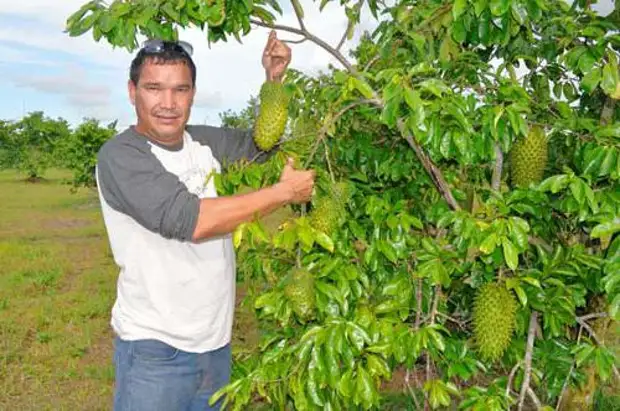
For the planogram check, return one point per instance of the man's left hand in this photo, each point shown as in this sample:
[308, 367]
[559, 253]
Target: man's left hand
[276, 58]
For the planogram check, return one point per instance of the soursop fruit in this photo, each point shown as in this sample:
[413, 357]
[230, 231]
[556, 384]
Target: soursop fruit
[528, 158]
[329, 210]
[299, 289]
[273, 114]
[494, 318]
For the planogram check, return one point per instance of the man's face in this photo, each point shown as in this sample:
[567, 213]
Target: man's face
[163, 98]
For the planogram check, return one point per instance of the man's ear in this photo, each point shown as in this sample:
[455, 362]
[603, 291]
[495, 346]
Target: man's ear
[131, 88]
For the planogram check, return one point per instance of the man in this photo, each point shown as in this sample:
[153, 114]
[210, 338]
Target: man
[170, 233]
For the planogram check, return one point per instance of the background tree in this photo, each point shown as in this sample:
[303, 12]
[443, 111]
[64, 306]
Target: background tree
[79, 150]
[31, 142]
[243, 119]
[437, 240]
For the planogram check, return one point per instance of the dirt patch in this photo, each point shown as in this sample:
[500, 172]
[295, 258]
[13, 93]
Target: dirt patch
[64, 223]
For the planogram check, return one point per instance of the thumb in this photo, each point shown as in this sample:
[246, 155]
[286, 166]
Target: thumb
[290, 162]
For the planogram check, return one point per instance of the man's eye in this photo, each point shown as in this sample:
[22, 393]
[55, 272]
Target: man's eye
[183, 89]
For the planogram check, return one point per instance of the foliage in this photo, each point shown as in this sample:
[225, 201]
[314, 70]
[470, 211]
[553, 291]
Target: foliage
[243, 119]
[79, 150]
[419, 126]
[29, 143]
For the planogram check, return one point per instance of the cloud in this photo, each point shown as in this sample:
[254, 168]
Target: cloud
[71, 84]
[228, 73]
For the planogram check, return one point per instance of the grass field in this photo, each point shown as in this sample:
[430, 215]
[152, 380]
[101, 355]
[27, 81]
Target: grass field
[57, 287]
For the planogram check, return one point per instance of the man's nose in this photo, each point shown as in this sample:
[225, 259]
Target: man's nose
[168, 99]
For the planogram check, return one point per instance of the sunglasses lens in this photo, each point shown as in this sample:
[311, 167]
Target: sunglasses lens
[157, 46]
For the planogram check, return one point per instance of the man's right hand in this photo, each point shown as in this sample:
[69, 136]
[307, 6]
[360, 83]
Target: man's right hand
[299, 184]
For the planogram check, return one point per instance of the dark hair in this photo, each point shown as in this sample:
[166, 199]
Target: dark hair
[171, 53]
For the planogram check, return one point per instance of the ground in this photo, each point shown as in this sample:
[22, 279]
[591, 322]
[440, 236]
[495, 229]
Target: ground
[57, 286]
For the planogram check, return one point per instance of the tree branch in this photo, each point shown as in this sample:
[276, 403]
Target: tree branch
[337, 55]
[528, 358]
[497, 170]
[534, 398]
[589, 329]
[430, 167]
[433, 171]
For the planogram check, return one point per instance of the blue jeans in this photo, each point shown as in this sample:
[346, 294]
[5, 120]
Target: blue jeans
[154, 376]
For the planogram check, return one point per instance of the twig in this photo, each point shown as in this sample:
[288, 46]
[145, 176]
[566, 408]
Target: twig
[431, 169]
[411, 392]
[371, 62]
[539, 241]
[295, 41]
[572, 367]
[534, 398]
[528, 358]
[497, 170]
[337, 55]
[511, 377]
[428, 356]
[418, 294]
[358, 6]
[592, 316]
[452, 319]
[329, 163]
[589, 329]
[300, 19]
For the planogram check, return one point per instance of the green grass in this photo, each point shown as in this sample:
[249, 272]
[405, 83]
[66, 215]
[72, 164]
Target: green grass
[57, 287]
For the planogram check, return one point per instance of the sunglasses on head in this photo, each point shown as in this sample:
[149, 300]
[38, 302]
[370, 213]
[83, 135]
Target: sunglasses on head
[158, 46]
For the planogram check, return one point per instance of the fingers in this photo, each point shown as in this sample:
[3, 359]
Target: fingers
[271, 42]
[281, 50]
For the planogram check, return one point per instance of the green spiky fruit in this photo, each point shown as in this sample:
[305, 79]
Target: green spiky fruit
[329, 210]
[494, 320]
[299, 290]
[325, 215]
[528, 158]
[273, 113]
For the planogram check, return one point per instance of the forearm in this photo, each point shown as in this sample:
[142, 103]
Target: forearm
[222, 215]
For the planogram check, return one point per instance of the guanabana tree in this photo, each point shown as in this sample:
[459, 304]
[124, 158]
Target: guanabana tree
[419, 124]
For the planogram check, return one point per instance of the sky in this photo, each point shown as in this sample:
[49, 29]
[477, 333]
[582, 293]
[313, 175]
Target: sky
[43, 69]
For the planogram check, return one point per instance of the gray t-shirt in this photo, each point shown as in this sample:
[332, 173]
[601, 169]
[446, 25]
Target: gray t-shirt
[169, 288]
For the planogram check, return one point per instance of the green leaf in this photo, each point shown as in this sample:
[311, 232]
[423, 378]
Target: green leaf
[489, 244]
[324, 241]
[364, 387]
[363, 87]
[511, 254]
[458, 8]
[606, 229]
[377, 366]
[591, 79]
[499, 7]
[610, 79]
[435, 86]
[521, 294]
